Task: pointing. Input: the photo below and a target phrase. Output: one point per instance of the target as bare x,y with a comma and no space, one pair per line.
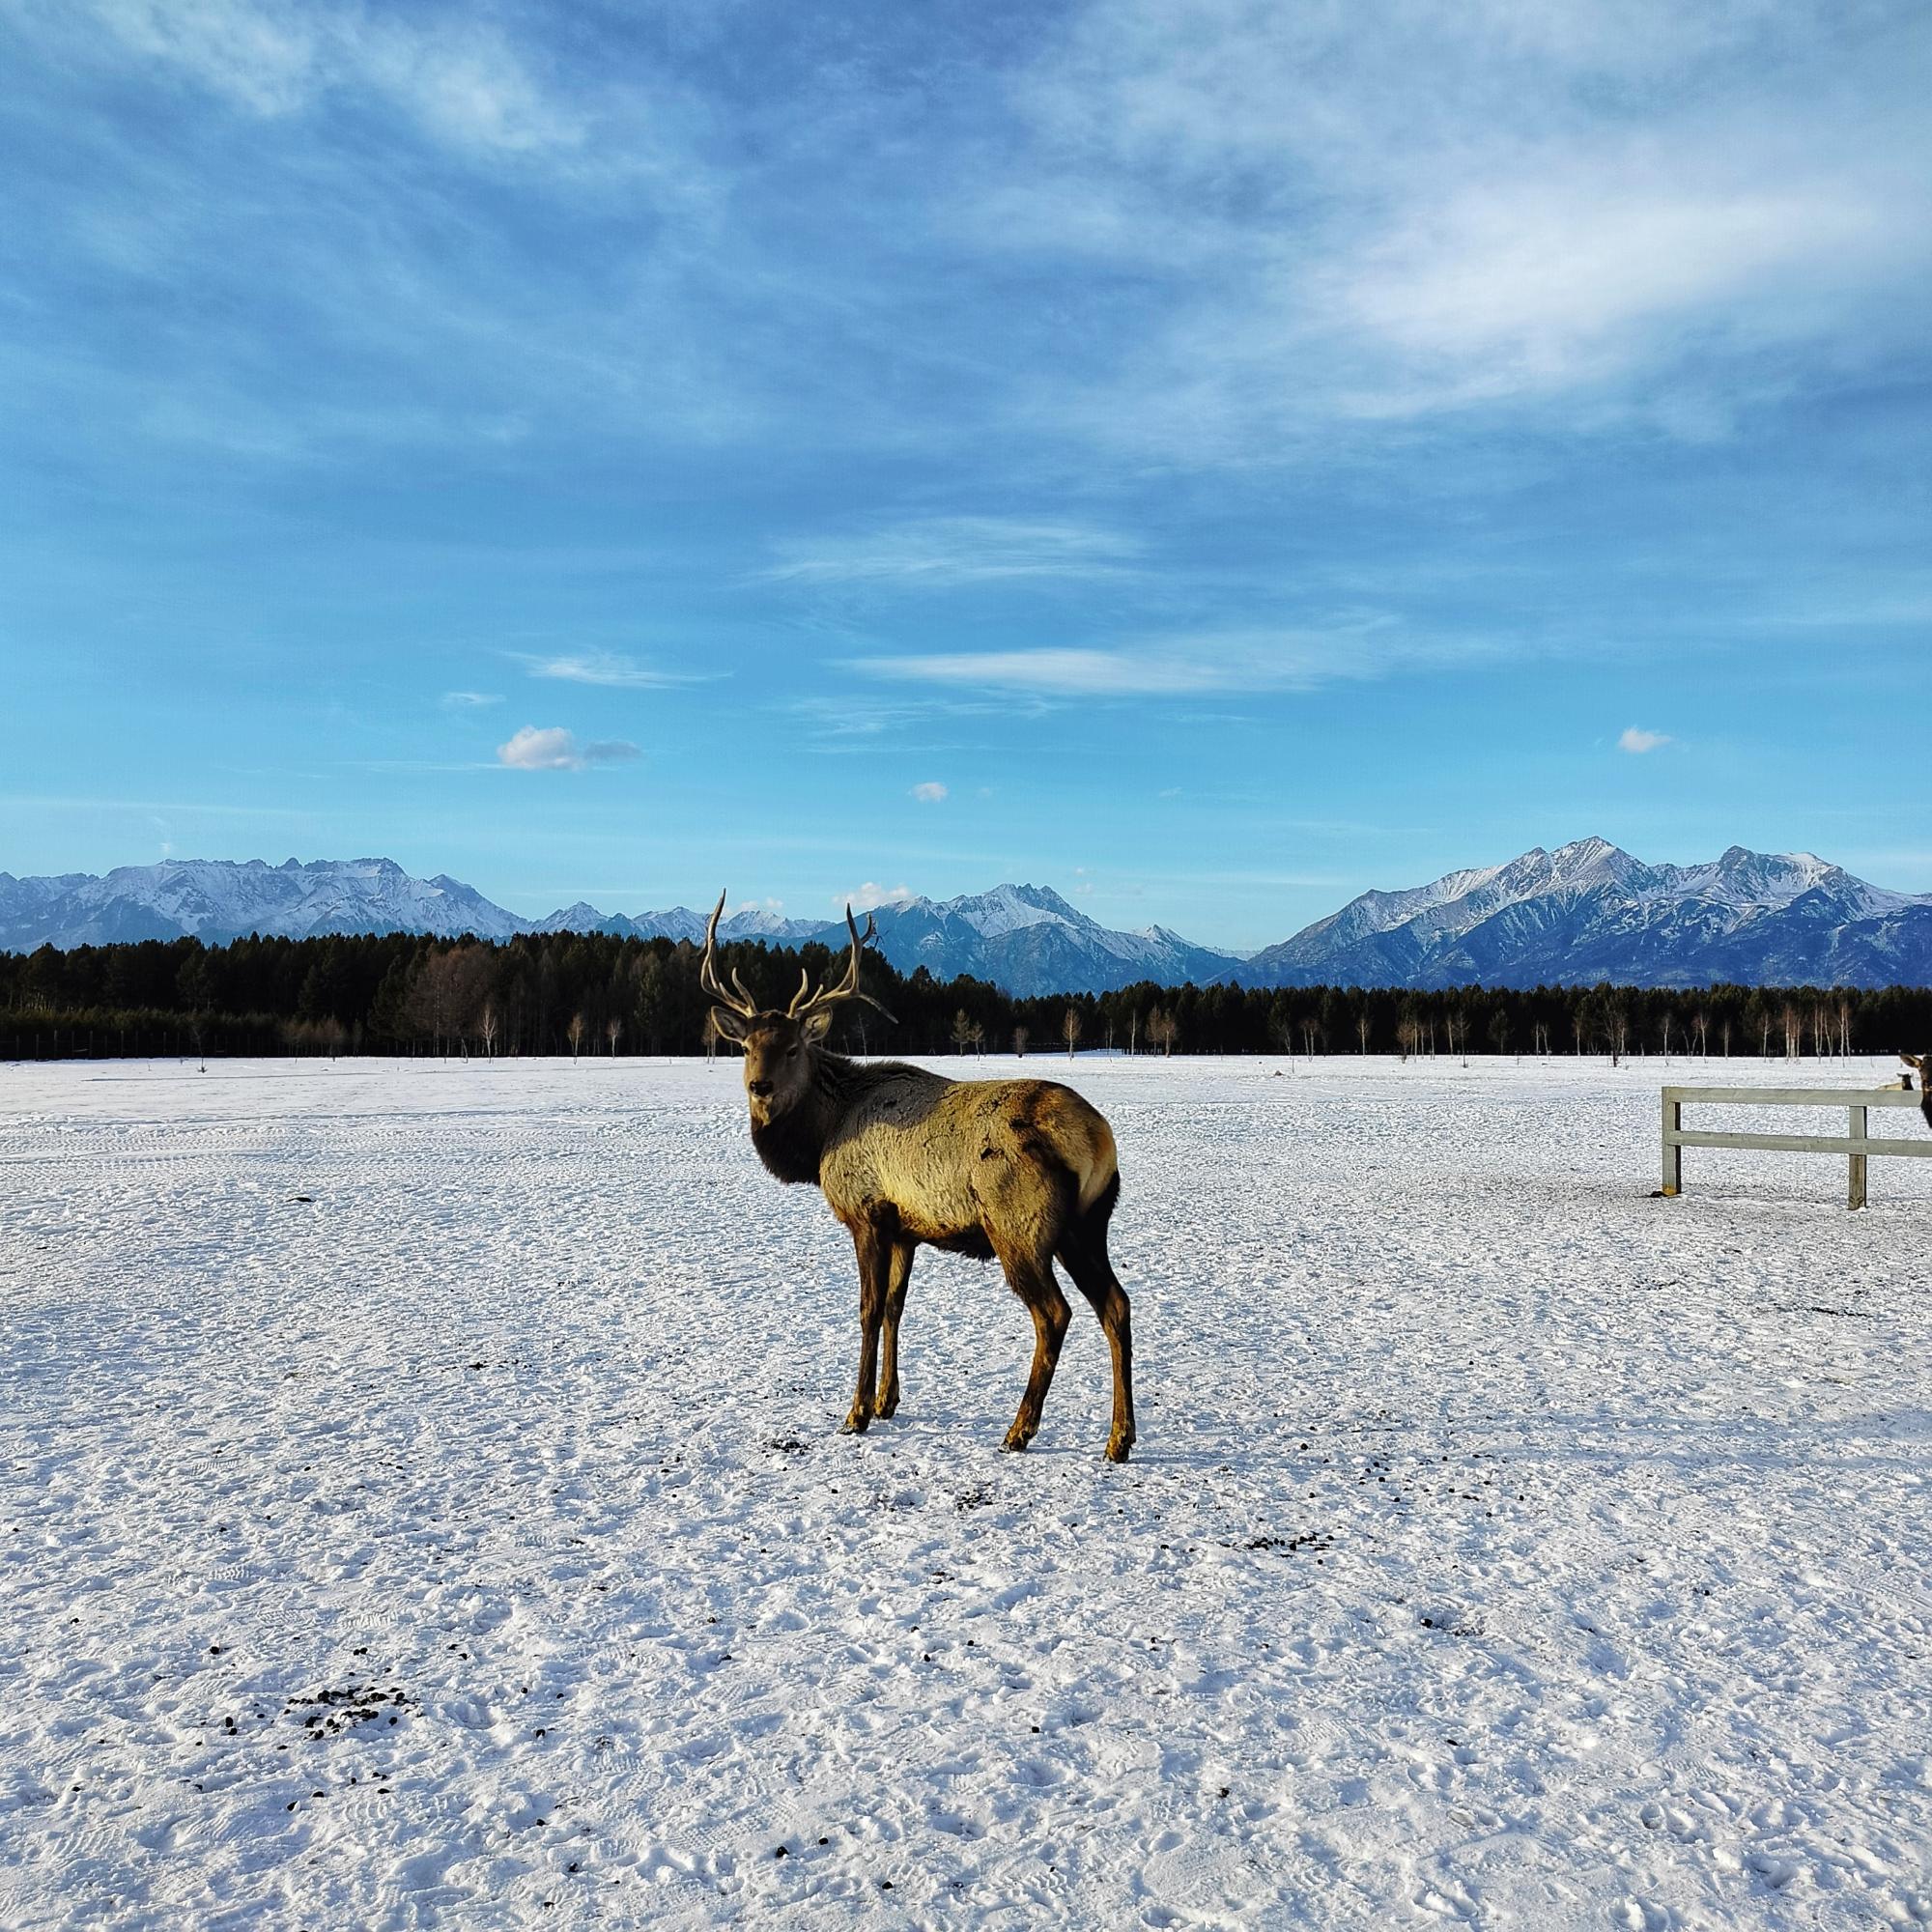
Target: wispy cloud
552,749
456,77
311,153
1637,740
1248,660
470,700
1534,286
945,552
929,793
1465,206
850,722
607,667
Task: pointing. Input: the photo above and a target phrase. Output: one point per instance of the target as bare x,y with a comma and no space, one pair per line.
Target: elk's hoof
886,1407
1120,1447
1015,1442
855,1424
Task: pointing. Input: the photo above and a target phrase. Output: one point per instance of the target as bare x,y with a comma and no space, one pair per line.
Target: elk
1018,1170
1922,1065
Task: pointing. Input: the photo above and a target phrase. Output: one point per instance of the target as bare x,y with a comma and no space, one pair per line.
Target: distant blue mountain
1590,912
1025,938
1585,912
218,900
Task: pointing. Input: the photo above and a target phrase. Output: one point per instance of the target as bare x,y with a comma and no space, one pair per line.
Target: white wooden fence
1857,1145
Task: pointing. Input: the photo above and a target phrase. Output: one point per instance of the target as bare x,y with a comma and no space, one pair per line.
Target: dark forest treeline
403,993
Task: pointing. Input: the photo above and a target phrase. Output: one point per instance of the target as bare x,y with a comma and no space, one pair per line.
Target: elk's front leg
895,1294
875,1260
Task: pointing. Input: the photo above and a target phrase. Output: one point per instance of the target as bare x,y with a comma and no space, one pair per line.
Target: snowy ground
422,1506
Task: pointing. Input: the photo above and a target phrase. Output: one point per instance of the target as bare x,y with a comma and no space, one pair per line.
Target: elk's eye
792,1052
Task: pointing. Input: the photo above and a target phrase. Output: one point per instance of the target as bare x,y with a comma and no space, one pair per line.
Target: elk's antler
803,1002
741,1002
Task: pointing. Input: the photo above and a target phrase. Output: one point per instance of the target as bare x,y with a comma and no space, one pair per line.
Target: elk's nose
759,1087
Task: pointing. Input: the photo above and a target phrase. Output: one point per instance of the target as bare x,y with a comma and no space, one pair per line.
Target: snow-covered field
422,1506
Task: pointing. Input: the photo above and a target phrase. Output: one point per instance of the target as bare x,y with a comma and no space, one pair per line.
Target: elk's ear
817,1025
1915,1059
732,1026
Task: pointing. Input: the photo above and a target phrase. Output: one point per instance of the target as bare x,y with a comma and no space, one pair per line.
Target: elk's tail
1103,1170
1084,1144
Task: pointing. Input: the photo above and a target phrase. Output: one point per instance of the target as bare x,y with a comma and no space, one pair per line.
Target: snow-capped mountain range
1590,911
218,900
1585,912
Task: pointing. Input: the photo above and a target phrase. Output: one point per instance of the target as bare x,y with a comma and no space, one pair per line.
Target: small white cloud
759,905
870,895
470,700
1637,740
552,749
930,792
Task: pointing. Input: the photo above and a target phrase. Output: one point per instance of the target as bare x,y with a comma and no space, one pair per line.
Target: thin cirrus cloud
929,793
1639,741
460,82
470,700
278,194
1284,661
1453,207
946,552
1300,216
552,749
605,668
1526,287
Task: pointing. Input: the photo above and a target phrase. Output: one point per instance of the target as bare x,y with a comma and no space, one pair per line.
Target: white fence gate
1857,1145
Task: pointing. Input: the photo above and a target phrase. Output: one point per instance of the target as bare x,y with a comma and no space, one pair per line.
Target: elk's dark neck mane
792,1145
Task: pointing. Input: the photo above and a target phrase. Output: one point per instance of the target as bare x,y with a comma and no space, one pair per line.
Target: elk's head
779,1047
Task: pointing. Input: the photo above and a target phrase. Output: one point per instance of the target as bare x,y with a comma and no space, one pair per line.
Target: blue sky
1206,456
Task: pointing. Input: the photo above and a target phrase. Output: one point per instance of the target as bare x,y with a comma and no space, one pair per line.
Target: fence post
1855,1192
1673,1155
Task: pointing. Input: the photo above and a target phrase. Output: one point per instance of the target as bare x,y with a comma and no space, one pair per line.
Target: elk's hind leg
1031,1278
888,1401
1084,1255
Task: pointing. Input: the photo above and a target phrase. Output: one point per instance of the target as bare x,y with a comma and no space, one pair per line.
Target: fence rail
1857,1145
